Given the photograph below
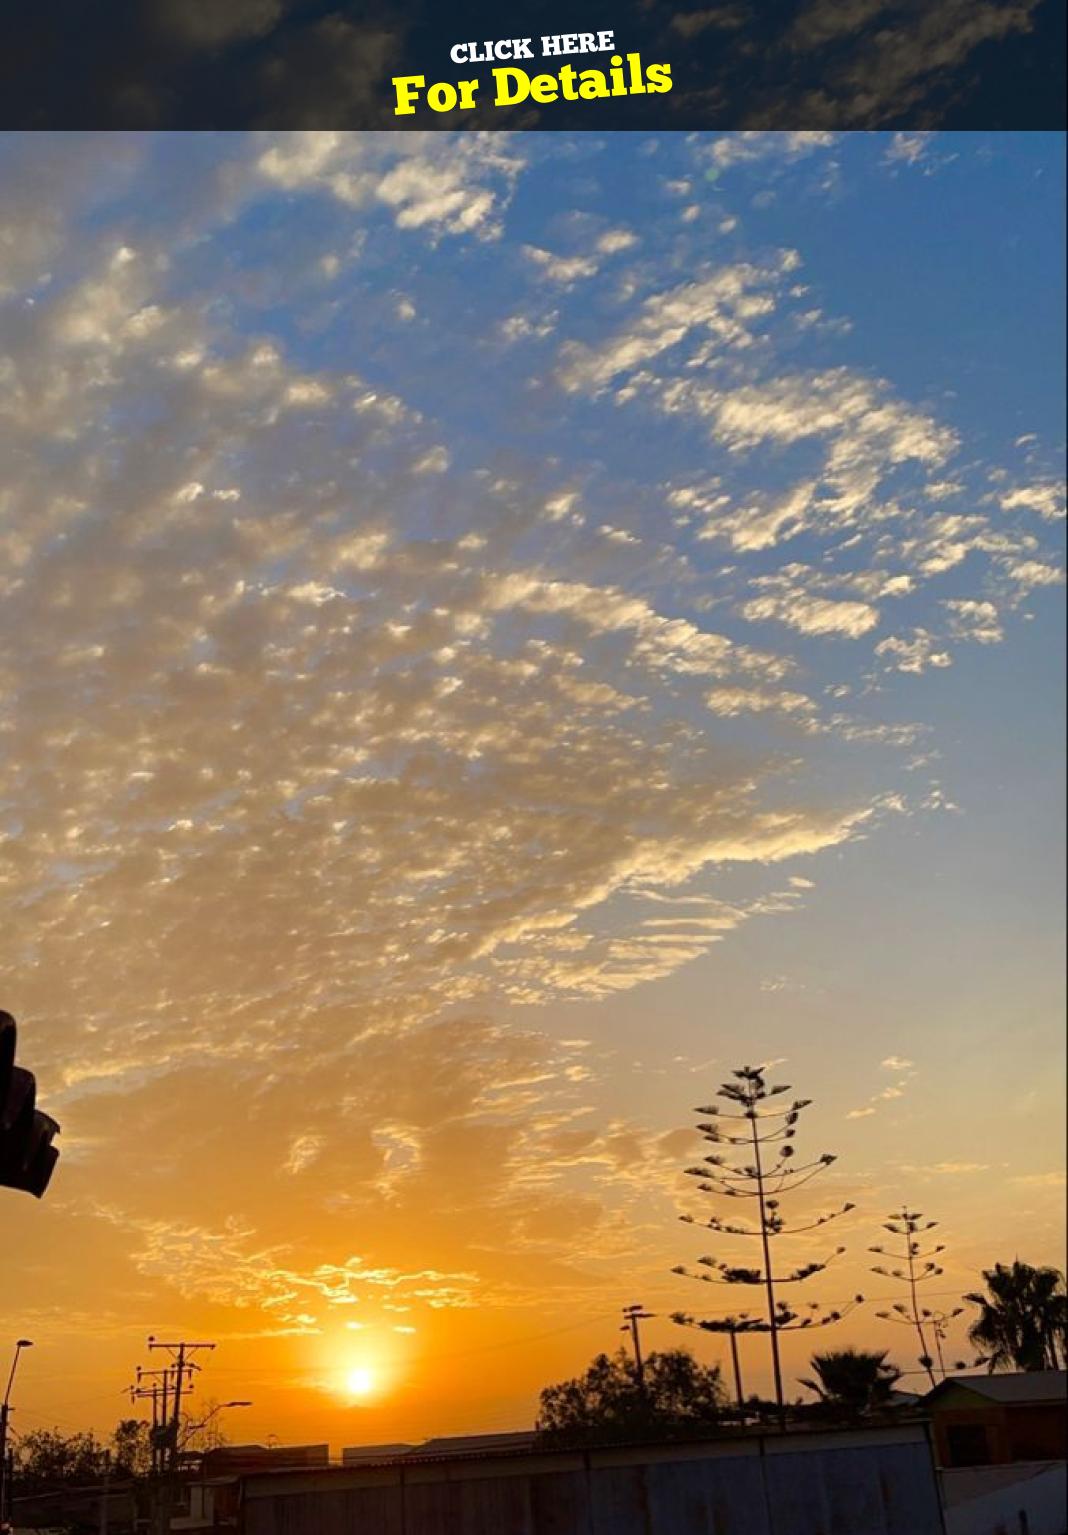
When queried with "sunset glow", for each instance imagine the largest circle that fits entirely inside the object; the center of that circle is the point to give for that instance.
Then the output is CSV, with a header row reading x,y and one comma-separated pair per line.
x,y
360,1381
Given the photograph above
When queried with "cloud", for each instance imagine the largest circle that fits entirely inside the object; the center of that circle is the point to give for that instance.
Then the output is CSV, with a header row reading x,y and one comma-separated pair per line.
x,y
920,150
813,615
1046,497
720,18
429,184
730,149
896,54
741,700
560,269
719,305
202,24
1050,1180
914,653
971,619
909,148
356,698
612,241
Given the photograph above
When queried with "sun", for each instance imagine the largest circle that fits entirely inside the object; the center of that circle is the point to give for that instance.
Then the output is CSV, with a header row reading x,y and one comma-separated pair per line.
x,y
360,1381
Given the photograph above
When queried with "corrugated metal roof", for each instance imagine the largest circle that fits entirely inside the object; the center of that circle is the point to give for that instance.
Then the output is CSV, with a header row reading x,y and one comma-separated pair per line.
x,y
907,1428
1020,1386
359,1452
461,1444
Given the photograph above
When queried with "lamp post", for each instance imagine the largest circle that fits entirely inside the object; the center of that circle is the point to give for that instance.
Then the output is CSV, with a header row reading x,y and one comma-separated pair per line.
x,y
194,1428
4,1409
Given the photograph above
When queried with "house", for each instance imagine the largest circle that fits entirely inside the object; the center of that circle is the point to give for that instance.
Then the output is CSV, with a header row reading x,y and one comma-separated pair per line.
x,y
210,1500
991,1420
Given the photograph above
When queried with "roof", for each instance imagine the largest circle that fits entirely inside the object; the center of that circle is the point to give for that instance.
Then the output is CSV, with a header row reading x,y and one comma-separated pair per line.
x,y
960,1484
241,1457
358,1452
1021,1386
455,1444
477,1448
464,1444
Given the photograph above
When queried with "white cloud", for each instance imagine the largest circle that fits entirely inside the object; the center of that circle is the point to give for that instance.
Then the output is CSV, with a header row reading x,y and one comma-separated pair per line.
x,y
431,182
720,305
972,619
813,615
908,147
915,653
730,149
612,241
565,270
1046,497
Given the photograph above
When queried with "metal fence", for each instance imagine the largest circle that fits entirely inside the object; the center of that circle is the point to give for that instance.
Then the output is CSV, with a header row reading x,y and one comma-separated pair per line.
x,y
867,1482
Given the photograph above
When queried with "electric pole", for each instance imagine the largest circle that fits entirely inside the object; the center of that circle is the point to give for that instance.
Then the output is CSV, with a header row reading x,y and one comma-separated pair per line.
x,y
179,1377
157,1394
633,1316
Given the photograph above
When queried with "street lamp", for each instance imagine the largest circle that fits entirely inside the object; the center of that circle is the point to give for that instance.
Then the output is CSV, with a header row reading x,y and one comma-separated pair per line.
x,y
20,1344
194,1428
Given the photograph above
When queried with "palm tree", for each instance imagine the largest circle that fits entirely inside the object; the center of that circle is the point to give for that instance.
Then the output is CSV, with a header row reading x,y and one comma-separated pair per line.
x,y
853,1381
1023,1321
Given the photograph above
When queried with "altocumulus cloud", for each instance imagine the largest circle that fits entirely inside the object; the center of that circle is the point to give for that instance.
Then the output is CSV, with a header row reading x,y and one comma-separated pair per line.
x,y
330,728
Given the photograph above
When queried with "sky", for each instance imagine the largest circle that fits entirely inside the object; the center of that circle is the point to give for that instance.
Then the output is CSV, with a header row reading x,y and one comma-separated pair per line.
x,y
496,632
299,64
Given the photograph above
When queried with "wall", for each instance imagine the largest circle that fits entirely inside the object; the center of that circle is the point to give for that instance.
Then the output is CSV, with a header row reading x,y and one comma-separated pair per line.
x,y
1039,1432
981,1501
1018,1431
871,1482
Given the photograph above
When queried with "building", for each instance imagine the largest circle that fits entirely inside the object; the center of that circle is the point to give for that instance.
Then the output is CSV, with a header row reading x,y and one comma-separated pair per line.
x,y
1023,1497
210,1500
452,1444
990,1420
877,1480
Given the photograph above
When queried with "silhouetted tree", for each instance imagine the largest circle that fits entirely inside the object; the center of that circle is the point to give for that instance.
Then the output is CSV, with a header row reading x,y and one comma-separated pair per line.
x,y
765,1178
131,1448
916,1266
680,1397
46,1460
852,1381
1023,1319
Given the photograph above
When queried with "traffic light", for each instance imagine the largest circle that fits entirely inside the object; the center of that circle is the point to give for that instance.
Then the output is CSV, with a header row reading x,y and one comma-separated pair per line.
x,y
27,1155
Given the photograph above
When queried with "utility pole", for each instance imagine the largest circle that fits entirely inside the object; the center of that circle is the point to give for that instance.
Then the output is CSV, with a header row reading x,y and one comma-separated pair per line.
x,y
157,1394
5,1408
180,1371
633,1316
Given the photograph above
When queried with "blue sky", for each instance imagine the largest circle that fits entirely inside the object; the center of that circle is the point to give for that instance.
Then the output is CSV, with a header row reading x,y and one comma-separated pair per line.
x,y
499,630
